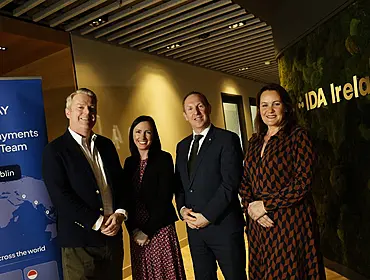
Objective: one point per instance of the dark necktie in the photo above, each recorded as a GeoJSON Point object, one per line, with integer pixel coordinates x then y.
{"type": "Point", "coordinates": [193, 153]}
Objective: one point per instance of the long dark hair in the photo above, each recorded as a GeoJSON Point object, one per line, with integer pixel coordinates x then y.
{"type": "Point", "coordinates": [289, 117]}
{"type": "Point", "coordinates": [156, 142]}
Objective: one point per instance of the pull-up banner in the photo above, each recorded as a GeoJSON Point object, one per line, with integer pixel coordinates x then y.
{"type": "Point", "coordinates": [28, 248]}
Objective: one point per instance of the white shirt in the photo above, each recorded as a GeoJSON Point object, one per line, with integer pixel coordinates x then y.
{"type": "Point", "coordinates": [93, 157]}
{"type": "Point", "coordinates": [204, 133]}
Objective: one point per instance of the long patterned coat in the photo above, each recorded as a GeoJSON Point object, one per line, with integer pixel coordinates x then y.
{"type": "Point", "coordinates": [282, 179]}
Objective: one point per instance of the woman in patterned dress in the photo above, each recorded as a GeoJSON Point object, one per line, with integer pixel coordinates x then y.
{"type": "Point", "coordinates": [149, 173]}
{"type": "Point", "coordinates": [276, 194]}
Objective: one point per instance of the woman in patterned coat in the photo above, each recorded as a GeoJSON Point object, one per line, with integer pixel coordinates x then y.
{"type": "Point", "coordinates": [276, 194]}
{"type": "Point", "coordinates": [149, 174]}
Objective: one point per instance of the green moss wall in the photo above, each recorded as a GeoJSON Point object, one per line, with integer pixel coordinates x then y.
{"type": "Point", "coordinates": [334, 53]}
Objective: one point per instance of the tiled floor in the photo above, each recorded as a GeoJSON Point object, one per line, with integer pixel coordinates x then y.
{"type": "Point", "coordinates": [331, 275]}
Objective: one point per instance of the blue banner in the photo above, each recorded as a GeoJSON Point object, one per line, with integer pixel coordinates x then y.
{"type": "Point", "coordinates": [28, 248]}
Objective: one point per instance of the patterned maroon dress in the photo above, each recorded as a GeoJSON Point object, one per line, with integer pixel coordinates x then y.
{"type": "Point", "coordinates": [161, 258]}
{"type": "Point", "coordinates": [282, 179]}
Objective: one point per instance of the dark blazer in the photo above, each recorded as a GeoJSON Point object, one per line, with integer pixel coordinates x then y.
{"type": "Point", "coordinates": [156, 191]}
{"type": "Point", "coordinates": [213, 187]}
{"type": "Point", "coordinates": [74, 191]}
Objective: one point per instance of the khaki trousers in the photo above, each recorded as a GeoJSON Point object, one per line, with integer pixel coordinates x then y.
{"type": "Point", "coordinates": [93, 263]}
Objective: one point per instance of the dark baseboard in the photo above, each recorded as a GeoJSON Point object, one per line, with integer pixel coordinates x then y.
{"type": "Point", "coordinates": [343, 270]}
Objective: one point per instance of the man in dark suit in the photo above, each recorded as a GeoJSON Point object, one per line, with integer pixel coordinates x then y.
{"type": "Point", "coordinates": [208, 172]}
{"type": "Point", "coordinates": [82, 173]}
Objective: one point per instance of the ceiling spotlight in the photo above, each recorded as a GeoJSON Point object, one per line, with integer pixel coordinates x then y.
{"type": "Point", "coordinates": [243, 69]}
{"type": "Point", "coordinates": [267, 62]}
{"type": "Point", "coordinates": [98, 21]}
{"type": "Point", "coordinates": [236, 25]}
{"type": "Point", "coordinates": [3, 48]}
{"type": "Point", "coordinates": [173, 46]}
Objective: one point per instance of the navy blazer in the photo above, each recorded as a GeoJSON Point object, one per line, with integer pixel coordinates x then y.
{"type": "Point", "coordinates": [213, 187]}
{"type": "Point", "coordinates": [156, 192]}
{"type": "Point", "coordinates": [74, 191]}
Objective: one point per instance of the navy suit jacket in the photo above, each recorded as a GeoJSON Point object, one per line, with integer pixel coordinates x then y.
{"type": "Point", "coordinates": [213, 187]}
{"type": "Point", "coordinates": [74, 191]}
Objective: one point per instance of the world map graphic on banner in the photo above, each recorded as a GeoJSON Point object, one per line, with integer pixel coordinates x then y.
{"type": "Point", "coordinates": [28, 230]}
{"type": "Point", "coordinates": [25, 196]}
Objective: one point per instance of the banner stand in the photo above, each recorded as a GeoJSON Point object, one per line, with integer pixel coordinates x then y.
{"type": "Point", "coordinates": [28, 247]}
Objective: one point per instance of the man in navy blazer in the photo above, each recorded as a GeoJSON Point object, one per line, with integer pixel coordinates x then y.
{"type": "Point", "coordinates": [208, 173]}
{"type": "Point", "coordinates": [83, 175]}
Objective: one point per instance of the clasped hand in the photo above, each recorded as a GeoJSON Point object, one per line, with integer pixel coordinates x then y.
{"type": "Point", "coordinates": [112, 224]}
{"type": "Point", "coordinates": [141, 238]}
{"type": "Point", "coordinates": [257, 211]}
{"type": "Point", "coordinates": [194, 220]}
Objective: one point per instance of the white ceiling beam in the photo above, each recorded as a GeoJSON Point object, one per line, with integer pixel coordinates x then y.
{"type": "Point", "coordinates": [245, 60]}
{"type": "Point", "coordinates": [264, 70]}
{"type": "Point", "coordinates": [26, 7]}
{"type": "Point", "coordinates": [52, 9]}
{"type": "Point", "coordinates": [122, 14]}
{"type": "Point", "coordinates": [3, 3]}
{"type": "Point", "coordinates": [252, 79]}
{"type": "Point", "coordinates": [268, 75]}
{"type": "Point", "coordinates": [213, 31]}
{"type": "Point", "coordinates": [246, 43]}
{"type": "Point", "coordinates": [256, 67]}
{"type": "Point", "coordinates": [259, 67]}
{"type": "Point", "coordinates": [172, 22]}
{"type": "Point", "coordinates": [272, 76]}
{"type": "Point", "coordinates": [254, 71]}
{"type": "Point", "coordinates": [151, 12]}
{"type": "Point", "coordinates": [198, 29]}
{"type": "Point", "coordinates": [190, 22]}
{"type": "Point", "coordinates": [216, 36]}
{"type": "Point", "coordinates": [217, 40]}
{"type": "Point", "coordinates": [76, 11]}
{"type": "Point", "coordinates": [272, 68]}
{"type": "Point", "coordinates": [90, 17]}
{"type": "Point", "coordinates": [202, 48]}
{"type": "Point", "coordinates": [260, 71]}
{"type": "Point", "coordinates": [260, 77]}
{"type": "Point", "coordinates": [161, 17]}
{"type": "Point", "coordinates": [257, 77]}
{"type": "Point", "coordinates": [227, 53]}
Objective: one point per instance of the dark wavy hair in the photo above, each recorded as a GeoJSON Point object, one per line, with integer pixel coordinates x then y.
{"type": "Point", "coordinates": [156, 142]}
{"type": "Point", "coordinates": [289, 117]}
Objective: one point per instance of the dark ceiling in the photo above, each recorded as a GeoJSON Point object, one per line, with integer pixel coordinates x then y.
{"type": "Point", "coordinates": [192, 31]}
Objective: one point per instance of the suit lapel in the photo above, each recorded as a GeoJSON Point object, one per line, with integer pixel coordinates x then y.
{"type": "Point", "coordinates": [184, 156]}
{"type": "Point", "coordinates": [202, 152]}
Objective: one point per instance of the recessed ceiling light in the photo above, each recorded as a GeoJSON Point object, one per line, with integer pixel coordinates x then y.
{"type": "Point", "coordinates": [243, 69]}
{"type": "Point", "coordinates": [236, 25]}
{"type": "Point", "coordinates": [267, 62]}
{"type": "Point", "coordinates": [3, 48]}
{"type": "Point", "coordinates": [98, 21]}
{"type": "Point", "coordinates": [173, 46]}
